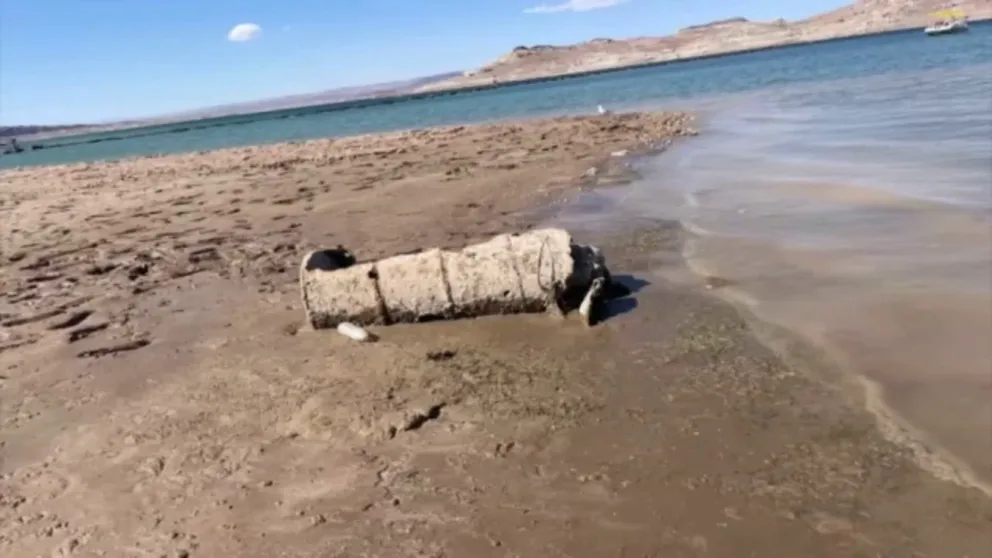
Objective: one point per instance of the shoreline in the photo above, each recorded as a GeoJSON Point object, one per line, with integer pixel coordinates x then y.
{"type": "Point", "coordinates": [821, 362]}
{"type": "Point", "coordinates": [826, 361]}
{"type": "Point", "coordinates": [825, 364]}
{"type": "Point", "coordinates": [272, 149]}
{"type": "Point", "coordinates": [233, 431]}
{"type": "Point", "coordinates": [181, 126]}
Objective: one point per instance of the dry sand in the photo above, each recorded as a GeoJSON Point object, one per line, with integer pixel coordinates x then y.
{"type": "Point", "coordinates": [160, 399]}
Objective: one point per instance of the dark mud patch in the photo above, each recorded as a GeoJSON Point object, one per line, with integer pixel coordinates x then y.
{"type": "Point", "coordinates": [115, 349]}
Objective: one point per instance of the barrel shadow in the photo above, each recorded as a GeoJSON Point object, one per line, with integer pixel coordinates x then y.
{"type": "Point", "coordinates": [620, 300]}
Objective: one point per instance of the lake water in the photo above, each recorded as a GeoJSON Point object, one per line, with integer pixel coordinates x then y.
{"type": "Point", "coordinates": [856, 213]}
{"type": "Point", "coordinates": [876, 55]}
{"type": "Point", "coordinates": [844, 190]}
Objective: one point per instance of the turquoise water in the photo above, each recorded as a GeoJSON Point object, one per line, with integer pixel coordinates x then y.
{"type": "Point", "coordinates": [633, 88]}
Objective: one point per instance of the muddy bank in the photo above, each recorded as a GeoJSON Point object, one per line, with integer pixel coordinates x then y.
{"type": "Point", "coordinates": [127, 287]}
{"type": "Point", "coordinates": [172, 405]}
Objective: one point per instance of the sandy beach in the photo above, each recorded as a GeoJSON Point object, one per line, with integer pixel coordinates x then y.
{"type": "Point", "coordinates": [158, 396]}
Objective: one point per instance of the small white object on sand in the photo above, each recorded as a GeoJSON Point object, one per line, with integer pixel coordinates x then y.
{"type": "Point", "coordinates": [602, 110]}
{"type": "Point", "coordinates": [352, 331]}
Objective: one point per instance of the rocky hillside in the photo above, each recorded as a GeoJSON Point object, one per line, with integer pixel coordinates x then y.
{"type": "Point", "coordinates": [866, 16]}
{"type": "Point", "coordinates": [728, 35]}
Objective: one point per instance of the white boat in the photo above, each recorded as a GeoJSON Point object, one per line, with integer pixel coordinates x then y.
{"type": "Point", "coordinates": [946, 27]}
{"type": "Point", "coordinates": [947, 22]}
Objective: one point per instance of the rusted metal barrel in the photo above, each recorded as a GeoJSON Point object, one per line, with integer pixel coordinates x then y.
{"type": "Point", "coordinates": [511, 273]}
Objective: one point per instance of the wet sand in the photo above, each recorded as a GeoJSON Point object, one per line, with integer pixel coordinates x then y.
{"type": "Point", "coordinates": [821, 216]}
{"type": "Point", "coordinates": [160, 399]}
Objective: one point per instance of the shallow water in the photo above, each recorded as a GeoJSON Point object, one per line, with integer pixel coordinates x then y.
{"type": "Point", "coordinates": [857, 214]}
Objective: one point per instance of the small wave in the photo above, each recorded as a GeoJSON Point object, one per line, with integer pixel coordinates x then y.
{"type": "Point", "coordinates": [691, 200]}
{"type": "Point", "coordinates": [695, 229]}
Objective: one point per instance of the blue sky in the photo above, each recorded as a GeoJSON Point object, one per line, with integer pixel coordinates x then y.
{"type": "Point", "coordinates": [67, 61]}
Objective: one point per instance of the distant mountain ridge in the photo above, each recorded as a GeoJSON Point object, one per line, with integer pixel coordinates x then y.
{"type": "Point", "coordinates": [16, 131]}
{"type": "Point", "coordinates": [309, 99]}
{"type": "Point", "coordinates": [291, 101]}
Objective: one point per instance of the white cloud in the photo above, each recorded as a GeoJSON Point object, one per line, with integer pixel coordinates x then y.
{"type": "Point", "coordinates": [243, 32]}
{"type": "Point", "coordinates": [573, 6]}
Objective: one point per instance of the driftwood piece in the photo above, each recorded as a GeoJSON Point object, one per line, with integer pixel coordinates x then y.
{"type": "Point", "coordinates": [511, 273]}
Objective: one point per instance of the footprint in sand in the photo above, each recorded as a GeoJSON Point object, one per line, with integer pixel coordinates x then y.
{"type": "Point", "coordinates": [38, 483]}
